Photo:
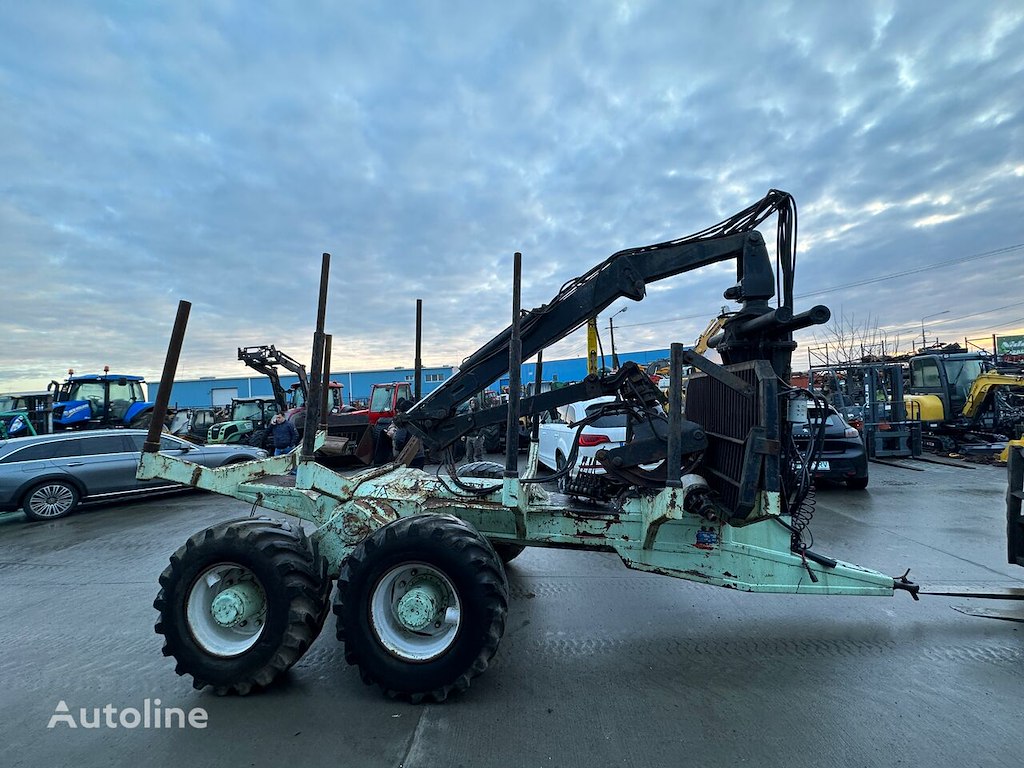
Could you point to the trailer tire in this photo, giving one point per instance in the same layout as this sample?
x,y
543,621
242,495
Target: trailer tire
x,y
276,561
442,577
492,470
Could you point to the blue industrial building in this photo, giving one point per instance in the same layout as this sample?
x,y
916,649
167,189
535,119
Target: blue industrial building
x,y
575,368
215,391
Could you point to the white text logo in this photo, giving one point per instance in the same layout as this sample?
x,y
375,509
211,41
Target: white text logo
x,y
151,715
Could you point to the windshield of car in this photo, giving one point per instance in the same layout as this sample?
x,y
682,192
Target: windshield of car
x,y
6,403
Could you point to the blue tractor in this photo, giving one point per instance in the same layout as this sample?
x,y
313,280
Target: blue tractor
x,y
96,401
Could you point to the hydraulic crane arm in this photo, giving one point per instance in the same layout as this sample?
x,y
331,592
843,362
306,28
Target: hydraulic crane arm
x,y
265,359
982,387
755,331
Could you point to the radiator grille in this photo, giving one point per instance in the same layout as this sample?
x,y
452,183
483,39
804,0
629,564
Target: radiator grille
x,y
728,418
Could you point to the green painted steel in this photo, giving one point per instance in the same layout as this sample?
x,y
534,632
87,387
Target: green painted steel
x,y
650,532
419,607
237,604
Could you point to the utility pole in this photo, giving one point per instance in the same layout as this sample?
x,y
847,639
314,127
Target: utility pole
x,y
611,338
924,340
417,377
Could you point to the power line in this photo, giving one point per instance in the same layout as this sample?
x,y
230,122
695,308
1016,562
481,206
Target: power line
x,y
659,322
948,262
957,319
1012,322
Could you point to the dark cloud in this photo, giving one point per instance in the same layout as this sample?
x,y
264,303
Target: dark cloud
x,y
212,151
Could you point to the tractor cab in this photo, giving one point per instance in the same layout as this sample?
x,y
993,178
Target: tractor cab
x,y
250,417
96,401
948,377
384,399
297,397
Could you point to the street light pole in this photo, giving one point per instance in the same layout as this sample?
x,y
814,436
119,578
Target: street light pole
x,y
611,337
924,340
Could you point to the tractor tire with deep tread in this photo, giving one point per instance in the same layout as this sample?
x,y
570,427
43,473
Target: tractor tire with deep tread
x,y
492,470
460,636
282,564
256,438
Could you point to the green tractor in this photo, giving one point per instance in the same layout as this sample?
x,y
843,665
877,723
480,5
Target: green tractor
x,y
250,418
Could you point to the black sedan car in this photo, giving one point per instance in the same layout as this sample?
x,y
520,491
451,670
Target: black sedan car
x,y
842,457
49,475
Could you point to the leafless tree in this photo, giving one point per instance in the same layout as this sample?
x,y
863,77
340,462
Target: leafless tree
x,y
847,340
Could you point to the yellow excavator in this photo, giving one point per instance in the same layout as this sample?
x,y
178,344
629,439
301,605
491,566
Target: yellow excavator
x,y
961,400
660,368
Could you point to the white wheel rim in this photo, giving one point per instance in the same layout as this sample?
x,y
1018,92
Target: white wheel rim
x,y
399,640
52,500
211,636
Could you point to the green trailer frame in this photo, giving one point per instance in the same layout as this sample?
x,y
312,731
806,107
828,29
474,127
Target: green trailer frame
x,y
421,593
650,533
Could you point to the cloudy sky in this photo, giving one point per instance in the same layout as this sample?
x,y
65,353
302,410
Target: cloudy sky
x,y
211,151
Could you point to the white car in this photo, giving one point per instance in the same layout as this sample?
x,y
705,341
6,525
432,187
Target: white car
x,y
557,436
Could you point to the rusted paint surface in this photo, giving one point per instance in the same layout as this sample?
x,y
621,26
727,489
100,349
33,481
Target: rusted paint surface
x,y
361,517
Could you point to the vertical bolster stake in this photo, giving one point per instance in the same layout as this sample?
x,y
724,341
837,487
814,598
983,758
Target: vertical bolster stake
x,y
675,418
325,392
317,364
538,379
515,361
156,426
417,391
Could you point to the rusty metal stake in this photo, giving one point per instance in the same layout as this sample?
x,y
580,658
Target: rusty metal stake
x,y
417,379
163,397
674,459
515,362
325,392
538,379
317,364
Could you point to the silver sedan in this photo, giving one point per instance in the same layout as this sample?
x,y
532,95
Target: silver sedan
x,y
48,476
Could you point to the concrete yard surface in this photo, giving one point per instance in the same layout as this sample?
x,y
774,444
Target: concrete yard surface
x,y
599,665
